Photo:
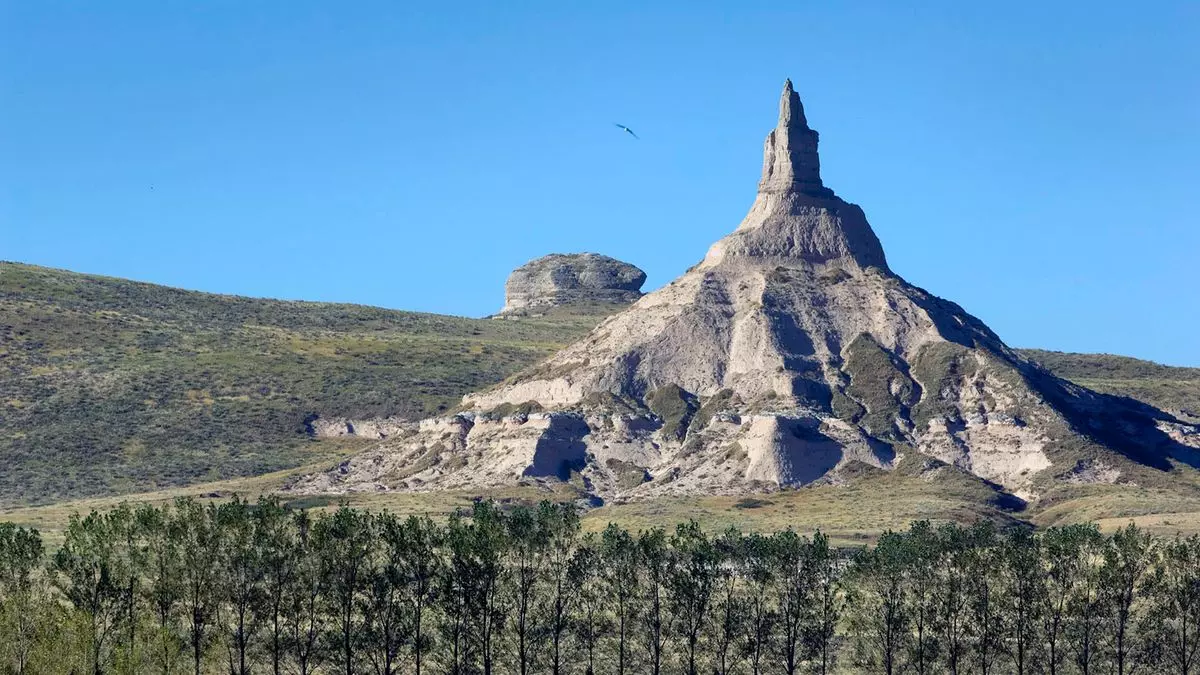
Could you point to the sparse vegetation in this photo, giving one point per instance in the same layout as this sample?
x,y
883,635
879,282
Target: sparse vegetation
x,y
508,409
935,368
629,475
712,405
674,407
878,385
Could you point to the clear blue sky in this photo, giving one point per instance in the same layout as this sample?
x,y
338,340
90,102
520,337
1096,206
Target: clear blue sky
x,y
1040,166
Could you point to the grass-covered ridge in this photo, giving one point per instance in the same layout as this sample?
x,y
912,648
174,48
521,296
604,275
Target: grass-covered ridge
x,y
1171,388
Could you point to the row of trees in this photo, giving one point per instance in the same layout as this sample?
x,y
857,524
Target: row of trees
x,y
261,588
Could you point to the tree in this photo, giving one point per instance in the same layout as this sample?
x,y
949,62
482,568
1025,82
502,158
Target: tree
x,y
457,596
384,607
1172,625
343,544
585,577
418,562
876,605
402,585
163,586
953,571
275,535
620,581
922,553
243,572
1077,554
21,601
526,560
488,544
474,597
560,527
353,592
129,559
1061,561
1127,555
756,567
793,573
823,565
692,570
304,595
984,582
200,571
654,562
809,602
1024,595
84,571
729,605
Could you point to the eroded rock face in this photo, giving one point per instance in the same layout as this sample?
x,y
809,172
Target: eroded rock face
x,y
790,353
568,279
377,428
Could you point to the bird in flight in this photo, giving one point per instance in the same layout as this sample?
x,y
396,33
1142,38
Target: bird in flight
x,y
626,129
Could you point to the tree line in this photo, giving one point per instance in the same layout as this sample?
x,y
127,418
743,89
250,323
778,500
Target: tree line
x,y
245,587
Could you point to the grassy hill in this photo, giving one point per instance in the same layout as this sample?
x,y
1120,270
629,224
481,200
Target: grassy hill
x,y
110,387
1176,390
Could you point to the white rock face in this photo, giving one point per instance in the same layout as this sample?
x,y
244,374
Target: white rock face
x,y
375,427
788,353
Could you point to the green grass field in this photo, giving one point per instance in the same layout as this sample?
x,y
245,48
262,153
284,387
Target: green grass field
x,y
849,513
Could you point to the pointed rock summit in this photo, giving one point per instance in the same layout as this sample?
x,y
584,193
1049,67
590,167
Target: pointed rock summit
x,y
790,353
790,161
794,216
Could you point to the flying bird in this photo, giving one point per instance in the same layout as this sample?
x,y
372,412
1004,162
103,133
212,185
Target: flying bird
x,y
626,129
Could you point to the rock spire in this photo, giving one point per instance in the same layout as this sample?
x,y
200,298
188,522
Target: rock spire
x,y
795,219
790,159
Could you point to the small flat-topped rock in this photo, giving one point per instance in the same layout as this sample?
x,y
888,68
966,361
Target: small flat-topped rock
x,y
568,279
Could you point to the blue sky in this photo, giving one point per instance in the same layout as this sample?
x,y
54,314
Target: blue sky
x,y
1038,165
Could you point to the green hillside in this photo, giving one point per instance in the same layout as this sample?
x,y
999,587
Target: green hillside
x,y
109,386
1176,390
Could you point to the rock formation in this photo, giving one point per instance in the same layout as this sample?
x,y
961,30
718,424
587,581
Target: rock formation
x,y
790,352
571,279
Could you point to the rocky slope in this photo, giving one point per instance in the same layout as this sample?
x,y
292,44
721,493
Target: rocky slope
x,y
790,353
578,279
